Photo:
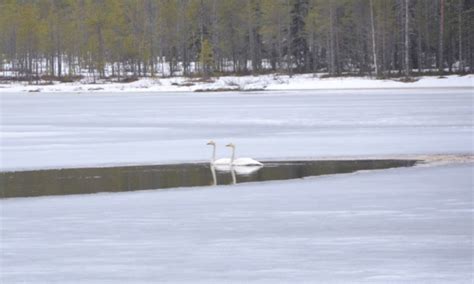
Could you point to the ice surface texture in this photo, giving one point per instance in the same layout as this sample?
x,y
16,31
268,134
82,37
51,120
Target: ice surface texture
x,y
74,130
407,225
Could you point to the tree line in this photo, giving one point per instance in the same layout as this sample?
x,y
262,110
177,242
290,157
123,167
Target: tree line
x,y
135,38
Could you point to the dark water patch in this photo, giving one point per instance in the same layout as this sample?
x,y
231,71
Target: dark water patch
x,y
118,179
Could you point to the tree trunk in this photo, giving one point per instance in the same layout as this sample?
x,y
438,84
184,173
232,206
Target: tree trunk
x,y
288,53
280,41
374,49
331,39
251,37
441,37
384,48
461,66
52,65
407,41
419,50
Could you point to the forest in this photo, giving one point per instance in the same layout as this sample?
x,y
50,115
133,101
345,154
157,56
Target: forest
x,y
126,39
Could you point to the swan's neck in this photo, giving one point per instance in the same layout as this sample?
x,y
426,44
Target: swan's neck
x,y
233,156
213,154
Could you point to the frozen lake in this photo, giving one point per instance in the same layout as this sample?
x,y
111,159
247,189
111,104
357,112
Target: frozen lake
x,y
80,130
406,225
410,225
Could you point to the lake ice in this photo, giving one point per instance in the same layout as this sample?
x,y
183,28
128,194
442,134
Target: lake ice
x,y
73,130
409,225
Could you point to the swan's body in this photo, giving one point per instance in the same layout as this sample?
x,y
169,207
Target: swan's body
x,y
242,161
246,162
241,166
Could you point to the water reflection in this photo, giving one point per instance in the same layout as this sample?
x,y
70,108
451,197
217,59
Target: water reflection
x,y
232,173
91,180
213,173
247,170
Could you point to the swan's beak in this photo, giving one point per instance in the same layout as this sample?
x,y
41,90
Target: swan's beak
x,y
230,145
210,143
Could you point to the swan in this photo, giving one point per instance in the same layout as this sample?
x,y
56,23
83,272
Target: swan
x,y
224,161
242,161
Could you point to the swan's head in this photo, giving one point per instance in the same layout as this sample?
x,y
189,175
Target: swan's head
x,y
230,145
211,143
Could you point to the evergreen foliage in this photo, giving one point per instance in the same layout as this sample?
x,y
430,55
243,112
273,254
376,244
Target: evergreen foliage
x,y
133,38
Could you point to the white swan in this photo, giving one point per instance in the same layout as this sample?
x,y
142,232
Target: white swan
x,y
242,161
224,161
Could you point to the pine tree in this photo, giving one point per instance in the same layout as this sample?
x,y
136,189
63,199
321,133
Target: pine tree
x,y
299,37
59,39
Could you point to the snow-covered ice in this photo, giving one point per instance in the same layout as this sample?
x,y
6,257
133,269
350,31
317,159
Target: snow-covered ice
x,y
406,225
71,130
409,225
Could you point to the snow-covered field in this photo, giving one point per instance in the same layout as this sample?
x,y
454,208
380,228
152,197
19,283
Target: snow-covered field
x,y
267,82
407,225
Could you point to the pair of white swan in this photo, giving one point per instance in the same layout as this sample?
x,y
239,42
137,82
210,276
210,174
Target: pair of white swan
x,y
232,161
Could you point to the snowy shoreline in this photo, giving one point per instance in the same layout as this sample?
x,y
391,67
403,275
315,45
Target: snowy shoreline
x,y
270,82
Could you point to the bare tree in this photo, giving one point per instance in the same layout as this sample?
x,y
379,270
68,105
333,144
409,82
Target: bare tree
x,y
374,49
407,40
441,37
460,10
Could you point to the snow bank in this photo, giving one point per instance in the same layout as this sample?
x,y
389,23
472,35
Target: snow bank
x,y
243,83
307,82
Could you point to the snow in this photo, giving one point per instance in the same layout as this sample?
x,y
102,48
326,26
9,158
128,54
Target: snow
x,y
406,225
54,130
307,83
268,82
409,225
